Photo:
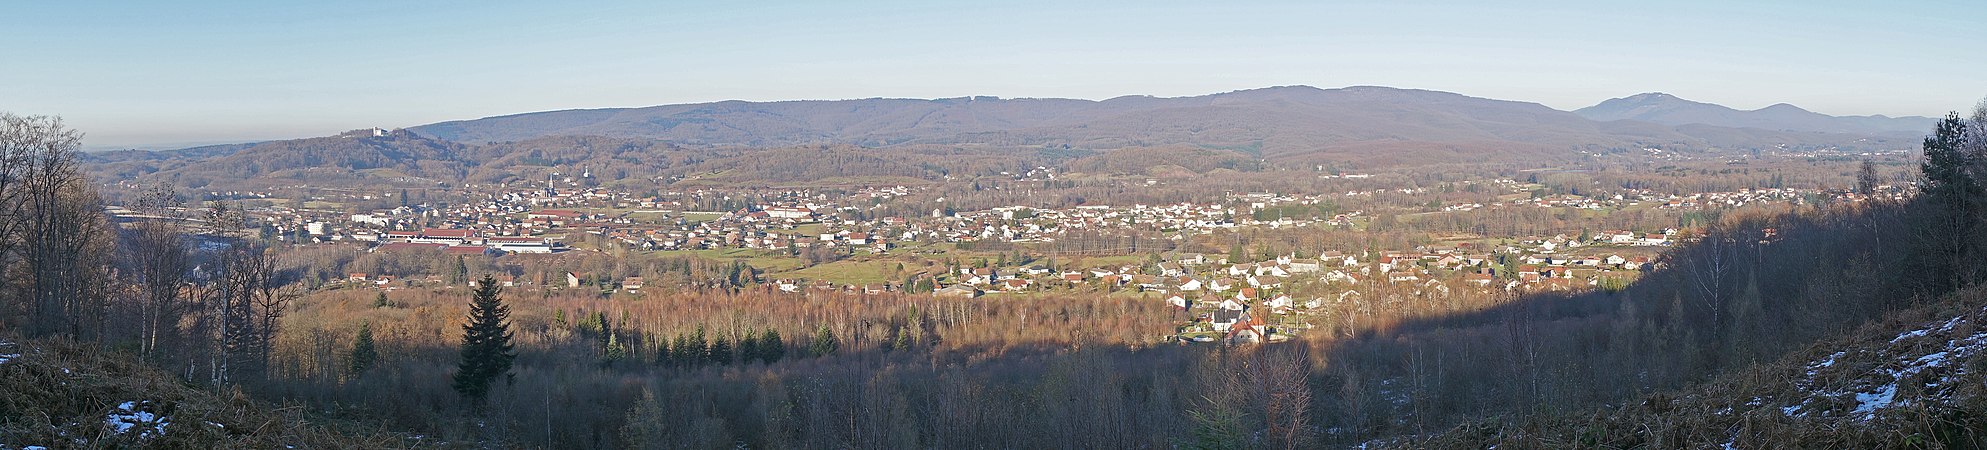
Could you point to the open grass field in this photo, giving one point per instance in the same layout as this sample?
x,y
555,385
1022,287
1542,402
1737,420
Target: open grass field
x,y
848,271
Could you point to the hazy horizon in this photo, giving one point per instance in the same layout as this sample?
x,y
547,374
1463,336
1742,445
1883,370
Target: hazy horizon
x,y
168,76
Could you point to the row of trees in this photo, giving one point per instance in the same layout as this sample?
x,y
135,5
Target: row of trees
x,y
52,232
210,304
1955,184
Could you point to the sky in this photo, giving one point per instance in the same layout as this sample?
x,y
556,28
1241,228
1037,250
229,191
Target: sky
x,y
173,74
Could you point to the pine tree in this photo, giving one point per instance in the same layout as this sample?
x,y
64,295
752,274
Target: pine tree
x,y
720,351
1949,185
692,350
603,329
771,349
613,351
903,339
379,301
824,343
662,356
364,354
682,355
486,343
748,348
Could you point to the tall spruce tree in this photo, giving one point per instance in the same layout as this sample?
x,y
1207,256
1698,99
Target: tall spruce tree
x,y
748,348
486,343
1949,185
364,353
662,356
824,342
771,349
720,351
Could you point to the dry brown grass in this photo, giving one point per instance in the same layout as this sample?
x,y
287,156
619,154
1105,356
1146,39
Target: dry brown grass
x,y
1743,409
58,393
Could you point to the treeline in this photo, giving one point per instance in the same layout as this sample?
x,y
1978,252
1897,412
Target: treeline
x,y
318,266
715,369
208,308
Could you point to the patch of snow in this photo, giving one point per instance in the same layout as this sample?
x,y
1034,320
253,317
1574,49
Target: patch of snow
x,y
34,447
1950,324
1910,334
1926,362
6,355
1867,404
136,416
1877,389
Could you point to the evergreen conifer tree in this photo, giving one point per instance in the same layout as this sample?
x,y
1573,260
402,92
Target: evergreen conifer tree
x,y
748,348
613,351
720,351
771,349
824,343
364,354
681,354
486,343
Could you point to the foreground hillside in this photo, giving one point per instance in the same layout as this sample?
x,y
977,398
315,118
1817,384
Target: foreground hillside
x,y
59,394
1913,380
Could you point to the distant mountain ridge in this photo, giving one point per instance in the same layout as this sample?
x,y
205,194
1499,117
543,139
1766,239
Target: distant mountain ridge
x,y
1670,110
1268,122
1298,126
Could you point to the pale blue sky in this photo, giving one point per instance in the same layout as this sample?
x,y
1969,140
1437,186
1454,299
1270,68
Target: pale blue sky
x,y
154,74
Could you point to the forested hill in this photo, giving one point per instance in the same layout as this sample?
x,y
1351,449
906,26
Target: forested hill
x,y
1668,109
1274,122
1299,127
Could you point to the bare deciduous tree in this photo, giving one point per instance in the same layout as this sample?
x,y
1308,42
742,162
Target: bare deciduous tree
x,y
1278,380
54,223
159,260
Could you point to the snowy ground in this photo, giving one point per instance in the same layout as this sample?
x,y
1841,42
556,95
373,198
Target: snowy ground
x,y
1925,355
138,417
8,351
